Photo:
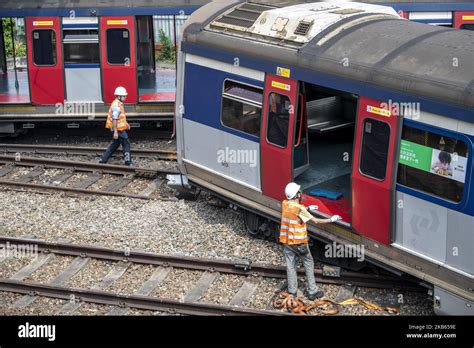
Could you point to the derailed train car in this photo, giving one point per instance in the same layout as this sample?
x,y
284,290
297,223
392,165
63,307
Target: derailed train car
x,y
372,114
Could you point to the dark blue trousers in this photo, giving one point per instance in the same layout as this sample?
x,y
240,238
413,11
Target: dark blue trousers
x,y
114,145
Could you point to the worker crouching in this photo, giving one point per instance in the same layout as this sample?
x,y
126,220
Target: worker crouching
x,y
118,125
294,236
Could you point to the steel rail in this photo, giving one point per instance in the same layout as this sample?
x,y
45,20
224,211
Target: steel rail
x,y
79,191
236,267
85,166
132,301
80,150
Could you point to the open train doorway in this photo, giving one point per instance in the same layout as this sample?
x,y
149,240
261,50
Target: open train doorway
x,y
14,86
322,159
157,38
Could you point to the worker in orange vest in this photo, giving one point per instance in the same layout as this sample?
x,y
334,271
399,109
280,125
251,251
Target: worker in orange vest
x,y
294,236
117,123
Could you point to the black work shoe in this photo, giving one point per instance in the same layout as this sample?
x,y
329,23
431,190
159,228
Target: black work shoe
x,y
128,163
100,161
316,295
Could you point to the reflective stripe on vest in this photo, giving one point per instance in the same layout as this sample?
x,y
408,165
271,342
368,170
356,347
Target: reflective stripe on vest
x,y
122,124
292,231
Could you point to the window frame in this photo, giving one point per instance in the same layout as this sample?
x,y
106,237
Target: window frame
x,y
241,101
361,147
268,121
33,47
446,133
107,47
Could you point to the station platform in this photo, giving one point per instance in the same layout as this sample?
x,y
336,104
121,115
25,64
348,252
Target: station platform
x,y
8,92
157,86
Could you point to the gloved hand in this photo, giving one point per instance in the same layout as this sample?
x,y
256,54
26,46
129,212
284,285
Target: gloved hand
x,y
313,208
335,218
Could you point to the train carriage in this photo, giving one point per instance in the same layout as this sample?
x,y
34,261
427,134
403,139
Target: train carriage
x,y
372,114
78,52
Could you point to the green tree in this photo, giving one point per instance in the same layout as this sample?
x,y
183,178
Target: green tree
x,y
167,50
20,46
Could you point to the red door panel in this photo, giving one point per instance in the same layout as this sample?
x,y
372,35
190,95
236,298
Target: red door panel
x,y
461,18
277,166
372,193
119,65
45,60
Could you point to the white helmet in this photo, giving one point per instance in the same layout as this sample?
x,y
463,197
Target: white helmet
x,y
291,190
121,91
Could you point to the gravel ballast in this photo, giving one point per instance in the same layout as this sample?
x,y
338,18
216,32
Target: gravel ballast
x,y
195,228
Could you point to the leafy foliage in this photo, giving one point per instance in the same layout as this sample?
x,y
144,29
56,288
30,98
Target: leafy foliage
x,y
167,50
19,35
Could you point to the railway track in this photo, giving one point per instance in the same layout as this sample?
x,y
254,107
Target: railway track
x,y
189,303
80,177
80,150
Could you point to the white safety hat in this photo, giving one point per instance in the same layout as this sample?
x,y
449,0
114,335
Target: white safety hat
x,y
120,91
291,190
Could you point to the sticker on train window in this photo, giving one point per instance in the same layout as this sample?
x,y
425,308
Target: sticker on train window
x,y
433,163
443,163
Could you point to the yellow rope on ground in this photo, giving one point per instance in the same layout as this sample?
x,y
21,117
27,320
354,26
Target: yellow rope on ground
x,y
283,300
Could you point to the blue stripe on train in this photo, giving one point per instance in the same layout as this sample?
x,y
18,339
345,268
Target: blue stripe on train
x,y
203,96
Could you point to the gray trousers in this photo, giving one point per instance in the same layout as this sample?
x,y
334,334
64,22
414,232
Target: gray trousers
x,y
292,252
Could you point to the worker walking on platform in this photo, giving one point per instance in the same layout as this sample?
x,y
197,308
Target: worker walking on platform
x,y
294,236
117,123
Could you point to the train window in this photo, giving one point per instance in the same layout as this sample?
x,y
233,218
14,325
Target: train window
x,y
374,151
44,47
242,107
85,53
118,46
81,46
432,163
278,119
467,26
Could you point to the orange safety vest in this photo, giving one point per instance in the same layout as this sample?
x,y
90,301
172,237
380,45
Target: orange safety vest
x,y
122,124
292,230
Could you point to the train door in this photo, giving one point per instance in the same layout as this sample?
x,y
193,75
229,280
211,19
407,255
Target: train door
x,y
374,169
280,103
118,58
464,20
81,59
45,60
